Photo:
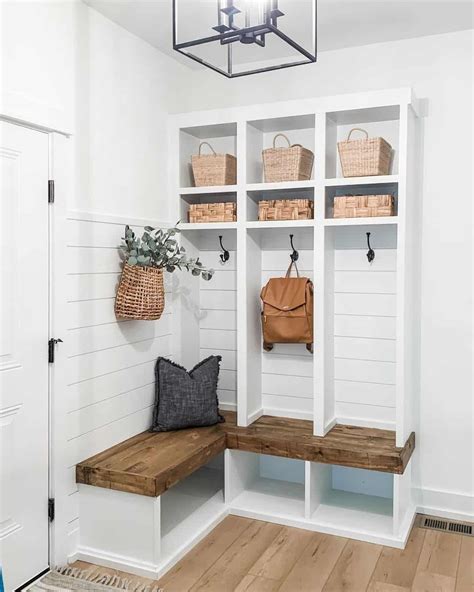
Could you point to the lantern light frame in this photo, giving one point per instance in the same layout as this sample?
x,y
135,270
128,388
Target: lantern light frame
x,y
228,34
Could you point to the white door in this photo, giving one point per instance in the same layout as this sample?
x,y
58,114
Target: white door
x,y
23,354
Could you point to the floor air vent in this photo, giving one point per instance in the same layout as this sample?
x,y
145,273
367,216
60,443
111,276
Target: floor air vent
x,y
461,528
446,525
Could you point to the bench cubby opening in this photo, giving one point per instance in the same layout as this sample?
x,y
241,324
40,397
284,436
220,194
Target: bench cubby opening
x,y
348,499
259,485
191,505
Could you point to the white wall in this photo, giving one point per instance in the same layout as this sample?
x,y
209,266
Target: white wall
x,y
439,68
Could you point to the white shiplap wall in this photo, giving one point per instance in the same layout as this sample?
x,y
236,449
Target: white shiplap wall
x,y
110,364
364,336
218,322
287,371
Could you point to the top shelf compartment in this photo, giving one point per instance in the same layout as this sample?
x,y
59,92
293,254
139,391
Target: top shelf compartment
x,y
299,129
377,122
223,139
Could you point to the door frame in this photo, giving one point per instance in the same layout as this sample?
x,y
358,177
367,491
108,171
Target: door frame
x,y
60,152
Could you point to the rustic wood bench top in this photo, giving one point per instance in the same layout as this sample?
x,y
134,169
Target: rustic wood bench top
x,y
150,463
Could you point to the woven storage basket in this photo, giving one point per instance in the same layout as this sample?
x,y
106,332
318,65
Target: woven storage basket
x,y
141,293
294,163
213,169
364,158
285,209
363,206
213,212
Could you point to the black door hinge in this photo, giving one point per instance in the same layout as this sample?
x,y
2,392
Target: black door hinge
x,y
51,346
51,509
50,191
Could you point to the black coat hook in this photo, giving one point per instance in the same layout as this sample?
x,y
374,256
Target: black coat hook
x,y
294,255
371,252
225,255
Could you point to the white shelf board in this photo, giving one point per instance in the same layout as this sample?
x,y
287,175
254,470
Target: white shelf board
x,y
280,224
273,498
374,180
355,512
207,225
285,185
207,190
381,221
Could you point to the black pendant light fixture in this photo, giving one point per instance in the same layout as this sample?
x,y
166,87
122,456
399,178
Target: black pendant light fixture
x,y
241,37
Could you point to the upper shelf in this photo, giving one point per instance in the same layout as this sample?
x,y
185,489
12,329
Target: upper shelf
x,y
372,221
207,190
288,185
375,180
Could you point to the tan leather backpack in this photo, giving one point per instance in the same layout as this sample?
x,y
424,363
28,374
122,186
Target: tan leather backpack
x,y
287,315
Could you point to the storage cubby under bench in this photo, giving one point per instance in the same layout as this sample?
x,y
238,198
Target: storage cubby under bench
x,y
157,494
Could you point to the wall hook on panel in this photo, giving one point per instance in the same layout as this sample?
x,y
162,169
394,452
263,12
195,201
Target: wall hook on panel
x,y
370,252
294,255
225,255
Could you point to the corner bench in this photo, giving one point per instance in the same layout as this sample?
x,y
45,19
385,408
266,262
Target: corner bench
x,y
191,491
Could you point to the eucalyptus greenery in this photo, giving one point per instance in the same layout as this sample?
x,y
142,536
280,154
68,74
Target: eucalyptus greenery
x,y
159,248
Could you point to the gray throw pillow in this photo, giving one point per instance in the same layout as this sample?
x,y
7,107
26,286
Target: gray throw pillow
x,y
186,399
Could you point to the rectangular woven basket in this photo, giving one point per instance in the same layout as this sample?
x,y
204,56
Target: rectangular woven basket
x,y
293,163
363,206
213,169
213,212
285,209
364,158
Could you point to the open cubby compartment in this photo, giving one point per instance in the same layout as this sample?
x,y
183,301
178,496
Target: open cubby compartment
x,y
263,486
350,500
207,309
222,137
205,197
358,321
381,122
191,505
347,188
279,382
254,196
300,129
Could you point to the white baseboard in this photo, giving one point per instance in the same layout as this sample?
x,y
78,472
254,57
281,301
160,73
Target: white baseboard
x,y
445,504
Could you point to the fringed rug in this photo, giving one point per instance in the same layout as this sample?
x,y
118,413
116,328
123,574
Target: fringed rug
x,y
72,579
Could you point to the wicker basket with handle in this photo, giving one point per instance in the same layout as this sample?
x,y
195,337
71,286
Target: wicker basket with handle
x,y
213,212
285,209
213,169
364,158
141,293
363,206
293,163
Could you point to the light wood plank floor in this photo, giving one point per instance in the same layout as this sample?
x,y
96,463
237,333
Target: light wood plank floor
x,y
243,555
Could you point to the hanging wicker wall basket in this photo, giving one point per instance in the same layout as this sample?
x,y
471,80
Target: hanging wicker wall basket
x,y
141,294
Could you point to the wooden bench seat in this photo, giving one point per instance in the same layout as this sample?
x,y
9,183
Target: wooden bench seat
x,y
150,463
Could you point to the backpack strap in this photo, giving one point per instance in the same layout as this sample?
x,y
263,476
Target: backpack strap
x,y
288,271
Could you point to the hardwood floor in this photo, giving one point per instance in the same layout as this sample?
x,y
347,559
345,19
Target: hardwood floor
x,y
243,555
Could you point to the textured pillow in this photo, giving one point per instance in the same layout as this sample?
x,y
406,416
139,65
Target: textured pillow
x,y
186,399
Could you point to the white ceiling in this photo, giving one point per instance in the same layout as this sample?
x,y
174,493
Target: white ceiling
x,y
341,23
